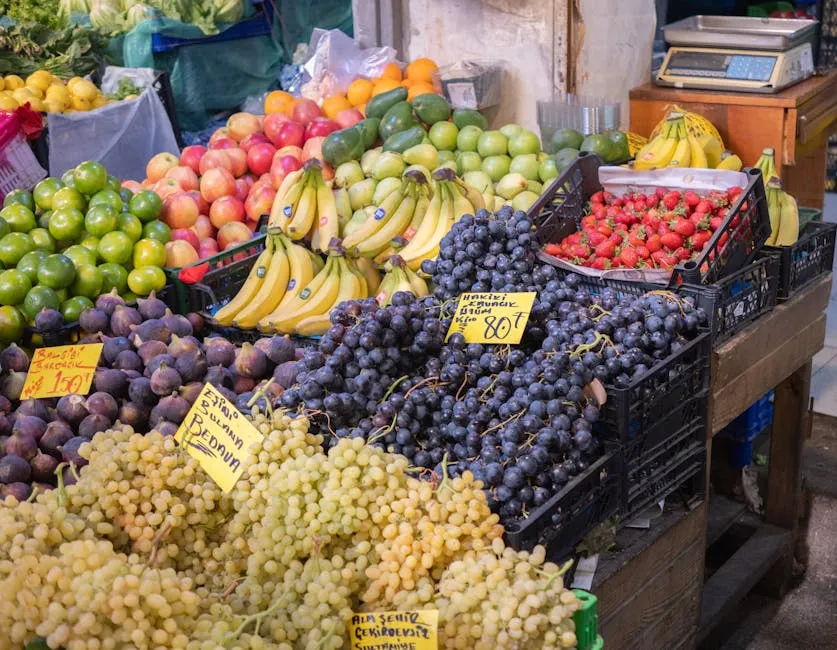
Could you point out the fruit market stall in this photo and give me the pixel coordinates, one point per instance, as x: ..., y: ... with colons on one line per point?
x: 796, y: 122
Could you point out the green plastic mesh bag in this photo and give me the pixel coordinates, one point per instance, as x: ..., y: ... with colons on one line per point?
x: 300, y: 18
x: 205, y: 78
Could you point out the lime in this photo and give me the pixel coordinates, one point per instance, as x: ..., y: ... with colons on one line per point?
x: 146, y: 205
x: 107, y: 197
x: 39, y: 298
x: 81, y: 255
x: 11, y: 324
x: 88, y: 281
x: 43, y: 219
x: 42, y: 239
x: 21, y: 197
x: 566, y: 139
x: 157, y: 230
x: 565, y: 157
x: 44, y: 191
x: 30, y: 263
x: 62, y: 294
x: 4, y: 228
x: 14, y: 285
x: 68, y: 178
x: 113, y: 183
x: 125, y: 194
x: 131, y: 226
x: 149, y: 252
x: 72, y: 307
x: 100, y: 219
x: 147, y: 279
x: 14, y: 246
x: 57, y: 271
x: 19, y: 217
x: 599, y: 144
x: 66, y: 224
x: 92, y: 243
x: 67, y: 197
x: 622, y: 148
x: 114, y: 276
x: 90, y: 177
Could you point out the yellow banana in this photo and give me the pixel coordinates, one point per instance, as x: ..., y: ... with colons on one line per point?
x: 767, y: 164
x: 789, y: 220
x: 287, y: 196
x: 395, y: 281
x: 730, y: 162
x: 351, y: 288
x: 696, y: 154
x: 270, y: 293
x: 313, y: 325
x: 682, y: 154
x: 443, y: 225
x: 304, y: 215
x: 461, y: 205
x: 418, y: 284
x: 342, y: 204
x: 369, y: 272
x: 658, y: 152
x: 774, y: 209
x: 428, y: 225
x: 712, y: 149
x: 227, y: 313
x: 471, y: 193
x: 422, y: 204
x: 311, y: 301
x: 393, y: 227
x: 327, y: 217
x: 381, y: 215
x: 364, y: 286
x: 302, y: 271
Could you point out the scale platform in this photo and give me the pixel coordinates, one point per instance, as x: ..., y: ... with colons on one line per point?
x: 742, y: 54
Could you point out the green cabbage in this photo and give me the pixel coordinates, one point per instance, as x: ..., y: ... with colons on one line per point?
x: 68, y: 7
x: 136, y: 14
x: 228, y: 11
x: 107, y: 16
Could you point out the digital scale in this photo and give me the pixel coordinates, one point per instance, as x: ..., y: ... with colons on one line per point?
x: 743, y: 54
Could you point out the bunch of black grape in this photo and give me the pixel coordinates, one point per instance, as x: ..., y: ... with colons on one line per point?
x: 485, y: 252
x: 366, y: 350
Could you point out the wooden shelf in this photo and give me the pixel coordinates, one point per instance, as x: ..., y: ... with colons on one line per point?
x: 723, y: 513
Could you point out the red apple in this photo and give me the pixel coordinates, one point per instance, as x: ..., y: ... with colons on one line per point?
x: 203, y: 204
x: 313, y: 148
x: 281, y: 167
x: 185, y: 177
x: 213, y: 159
x: 223, y: 143
x: 349, y: 117
x: 191, y: 156
x: 203, y: 227
x: 272, y: 123
x: 238, y: 160
x: 306, y: 110
x: 320, y: 127
x: 240, y: 125
x: 253, y: 139
x: 180, y: 253
x: 159, y: 165
x: 259, y: 201
x: 165, y: 187
x: 290, y: 133
x: 242, y: 189
x: 180, y: 211
x: 208, y: 247
x: 216, y: 183
x: 259, y: 158
x: 233, y: 232
x: 290, y: 150
x: 226, y: 209
x: 132, y: 185
x: 219, y: 133
x: 187, y: 235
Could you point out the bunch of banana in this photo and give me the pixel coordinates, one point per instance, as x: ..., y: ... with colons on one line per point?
x: 306, y: 206
x: 767, y: 164
x: 784, y: 215
x: 275, y: 277
x: 399, y: 277
x: 696, y: 124
x: 307, y: 312
x: 678, y: 146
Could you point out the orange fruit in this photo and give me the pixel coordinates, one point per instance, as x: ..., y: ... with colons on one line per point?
x: 278, y: 101
x: 362, y: 109
x: 420, y: 88
x: 421, y: 70
x: 407, y: 83
x: 359, y: 92
x: 333, y: 105
x: 391, y: 71
x: 384, y: 85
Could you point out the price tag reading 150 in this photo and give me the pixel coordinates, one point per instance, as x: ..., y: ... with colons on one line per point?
x: 61, y: 370
x: 492, y: 317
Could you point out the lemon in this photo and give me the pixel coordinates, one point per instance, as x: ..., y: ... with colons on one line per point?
x: 22, y: 94
x: 100, y: 100
x: 53, y: 105
x: 72, y: 82
x: 13, y: 82
x: 39, y: 80
x: 37, y: 104
x: 80, y: 104
x: 8, y: 103
x: 2, y: 83
x: 58, y: 92
x: 36, y: 92
x: 85, y: 89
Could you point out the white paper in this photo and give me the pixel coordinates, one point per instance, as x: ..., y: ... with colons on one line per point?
x: 585, y: 571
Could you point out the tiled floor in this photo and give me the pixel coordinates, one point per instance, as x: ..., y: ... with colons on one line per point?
x: 824, y: 379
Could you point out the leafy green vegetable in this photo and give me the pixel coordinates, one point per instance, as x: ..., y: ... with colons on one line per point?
x: 125, y: 88
x: 44, y: 12
x: 67, y: 52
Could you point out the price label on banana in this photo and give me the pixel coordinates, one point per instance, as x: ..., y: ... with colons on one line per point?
x: 492, y: 317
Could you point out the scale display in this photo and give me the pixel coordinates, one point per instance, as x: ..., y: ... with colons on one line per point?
x: 721, y: 66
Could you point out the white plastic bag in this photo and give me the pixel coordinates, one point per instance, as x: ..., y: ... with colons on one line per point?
x: 122, y: 136
x: 141, y: 77
x: 337, y: 61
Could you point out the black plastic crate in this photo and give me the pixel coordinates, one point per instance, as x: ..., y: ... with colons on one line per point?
x: 67, y: 334
x: 558, y: 212
x: 563, y: 521
x: 810, y: 257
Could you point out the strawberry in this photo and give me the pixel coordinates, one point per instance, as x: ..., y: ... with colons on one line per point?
x: 580, y: 250
x: 629, y: 257
x: 642, y: 252
x: 606, y: 249
x: 715, y: 223
x: 704, y: 206
x: 595, y: 237
x: 552, y: 249
x: 598, y: 197
x: 640, y: 205
x: 682, y: 254
x: 668, y: 261
x: 671, y: 199
x: 653, y: 243
x: 652, y: 200
x: 684, y: 227
x: 660, y: 192
x: 601, y: 263
x: 733, y: 192
x: 575, y: 238
x: 604, y: 229
x: 589, y: 221
x: 699, y: 239
x: 671, y: 241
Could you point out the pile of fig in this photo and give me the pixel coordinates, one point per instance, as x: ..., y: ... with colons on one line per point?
x: 152, y: 368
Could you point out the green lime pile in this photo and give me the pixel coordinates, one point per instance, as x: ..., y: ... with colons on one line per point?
x: 611, y: 146
x: 71, y: 240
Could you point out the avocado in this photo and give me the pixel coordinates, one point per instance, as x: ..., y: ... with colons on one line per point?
x: 398, y: 118
x: 380, y: 104
x: 431, y: 108
x: 599, y: 144
x: 566, y: 139
x: 369, y: 130
x: 465, y: 116
x: 565, y: 157
x: 343, y: 146
x: 621, y: 150
x: 405, y: 139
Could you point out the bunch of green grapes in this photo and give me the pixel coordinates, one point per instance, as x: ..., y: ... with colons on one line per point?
x: 423, y: 533
x: 502, y: 598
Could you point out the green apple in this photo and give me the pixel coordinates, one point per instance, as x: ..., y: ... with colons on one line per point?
x: 443, y: 135
x: 468, y: 161
x: 526, y: 164
x: 547, y: 170
x: 445, y: 155
x: 510, y: 130
x: 496, y: 166
x: 524, y: 142
x: 468, y: 138
x: 492, y: 143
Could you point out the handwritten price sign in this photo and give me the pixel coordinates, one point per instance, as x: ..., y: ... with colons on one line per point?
x: 61, y: 370
x: 388, y: 630
x: 492, y: 317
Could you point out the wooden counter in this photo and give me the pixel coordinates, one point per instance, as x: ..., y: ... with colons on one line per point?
x: 796, y: 122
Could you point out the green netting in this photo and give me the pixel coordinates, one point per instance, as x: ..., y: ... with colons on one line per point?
x: 300, y: 18
x: 205, y: 78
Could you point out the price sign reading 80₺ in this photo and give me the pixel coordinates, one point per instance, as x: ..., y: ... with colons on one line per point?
x: 492, y: 317
x: 61, y: 370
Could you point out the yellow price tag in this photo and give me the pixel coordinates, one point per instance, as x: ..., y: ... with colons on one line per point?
x: 394, y: 630
x: 492, y: 317
x: 59, y: 371
x: 216, y: 433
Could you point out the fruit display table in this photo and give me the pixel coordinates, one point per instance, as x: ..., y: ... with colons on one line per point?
x: 795, y: 122
x: 651, y: 590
